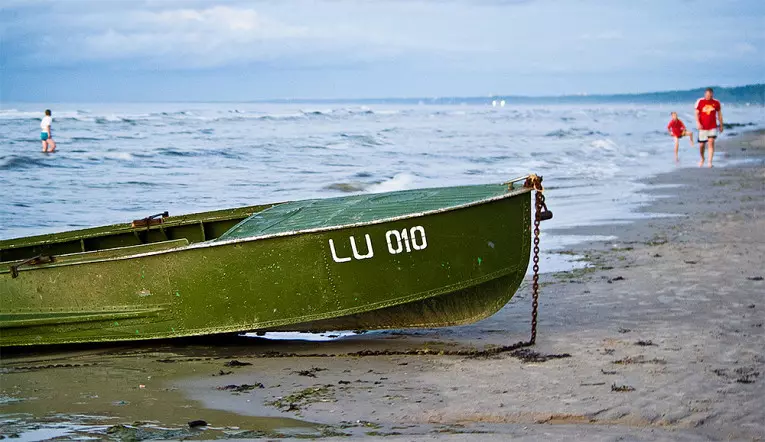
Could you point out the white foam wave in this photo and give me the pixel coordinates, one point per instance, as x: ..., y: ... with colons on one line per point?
x: 338, y: 146
x: 605, y: 144
x: 124, y: 156
x: 402, y: 181
x: 316, y: 111
x: 15, y: 114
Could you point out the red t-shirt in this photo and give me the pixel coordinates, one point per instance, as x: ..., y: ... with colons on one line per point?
x: 708, y: 110
x: 676, y: 127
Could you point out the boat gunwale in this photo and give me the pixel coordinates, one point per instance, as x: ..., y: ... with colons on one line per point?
x: 122, y: 228
x: 216, y: 243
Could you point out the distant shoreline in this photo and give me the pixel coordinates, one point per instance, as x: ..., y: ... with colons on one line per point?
x: 753, y: 94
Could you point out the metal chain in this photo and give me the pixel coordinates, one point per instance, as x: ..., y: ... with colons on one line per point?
x: 540, y: 203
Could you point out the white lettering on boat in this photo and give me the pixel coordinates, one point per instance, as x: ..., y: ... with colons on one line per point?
x: 334, y: 253
x: 408, y: 240
x: 370, y: 251
x: 405, y: 240
x: 422, y: 243
x: 413, y: 238
x: 391, y: 236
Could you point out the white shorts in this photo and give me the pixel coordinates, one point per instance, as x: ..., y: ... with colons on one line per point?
x: 705, y: 135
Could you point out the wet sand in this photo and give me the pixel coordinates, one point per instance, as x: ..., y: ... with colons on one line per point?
x: 664, y: 328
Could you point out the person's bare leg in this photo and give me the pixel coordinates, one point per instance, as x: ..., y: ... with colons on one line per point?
x: 711, y: 151
x: 702, y: 146
x: 677, y: 147
x: 51, y: 145
x: 690, y: 138
x: 44, y: 146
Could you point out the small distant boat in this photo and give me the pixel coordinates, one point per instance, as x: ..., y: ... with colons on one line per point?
x: 414, y: 258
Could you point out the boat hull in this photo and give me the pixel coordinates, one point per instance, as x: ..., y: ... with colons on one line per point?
x: 460, y: 307
x: 435, y: 269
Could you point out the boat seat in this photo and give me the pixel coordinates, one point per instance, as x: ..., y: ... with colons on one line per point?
x: 97, y: 255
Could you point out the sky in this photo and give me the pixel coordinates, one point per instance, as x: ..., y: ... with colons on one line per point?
x: 194, y: 50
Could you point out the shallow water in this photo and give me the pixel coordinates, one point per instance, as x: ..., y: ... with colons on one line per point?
x: 123, y: 165
x: 121, y: 393
x: 117, y: 162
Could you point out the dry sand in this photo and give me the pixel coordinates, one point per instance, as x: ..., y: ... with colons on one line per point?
x: 664, y: 331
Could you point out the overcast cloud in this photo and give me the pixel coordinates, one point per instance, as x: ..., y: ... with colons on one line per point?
x: 82, y: 50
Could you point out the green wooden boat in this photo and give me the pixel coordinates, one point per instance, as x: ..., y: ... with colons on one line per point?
x: 416, y: 258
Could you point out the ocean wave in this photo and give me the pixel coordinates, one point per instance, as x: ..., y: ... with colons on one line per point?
x: 364, y: 140
x: 86, y: 139
x: 402, y: 181
x: 387, y: 112
x: 605, y: 144
x: 732, y: 125
x: 575, y: 132
x: 312, y: 112
x: 180, y: 132
x: 115, y: 119
x: 15, y: 114
x: 225, y: 153
x: 347, y: 187
x: 278, y: 117
x: 168, y: 151
x: 338, y: 146
x: 171, y: 114
x: 102, y: 118
x: 12, y: 116
x: 219, y: 152
x: 121, y: 156
x: 19, y: 162
x: 458, y: 113
x: 302, y: 146
x: 363, y: 110
x: 348, y: 111
x: 138, y: 183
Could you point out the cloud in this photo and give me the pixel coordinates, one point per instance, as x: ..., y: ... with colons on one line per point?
x: 184, y: 35
x: 180, y: 38
x: 744, y: 48
x: 371, y: 42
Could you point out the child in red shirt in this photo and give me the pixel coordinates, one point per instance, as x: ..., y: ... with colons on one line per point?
x: 676, y: 129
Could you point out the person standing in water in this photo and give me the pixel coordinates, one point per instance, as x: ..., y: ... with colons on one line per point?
x: 48, y: 145
x: 708, y: 114
x: 677, y: 130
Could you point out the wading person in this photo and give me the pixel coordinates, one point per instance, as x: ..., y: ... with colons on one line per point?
x: 48, y: 145
x: 710, y: 123
x: 677, y: 130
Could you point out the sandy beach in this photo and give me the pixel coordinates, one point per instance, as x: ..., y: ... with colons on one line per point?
x: 659, y: 336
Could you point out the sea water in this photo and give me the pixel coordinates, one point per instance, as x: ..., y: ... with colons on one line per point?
x: 119, y: 162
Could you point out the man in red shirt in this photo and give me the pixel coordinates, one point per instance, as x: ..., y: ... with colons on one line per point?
x: 708, y: 114
x: 677, y: 129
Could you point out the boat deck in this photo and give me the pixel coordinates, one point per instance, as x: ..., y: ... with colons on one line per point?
x: 320, y: 214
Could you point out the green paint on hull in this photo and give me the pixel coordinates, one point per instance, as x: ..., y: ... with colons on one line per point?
x: 419, y: 267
